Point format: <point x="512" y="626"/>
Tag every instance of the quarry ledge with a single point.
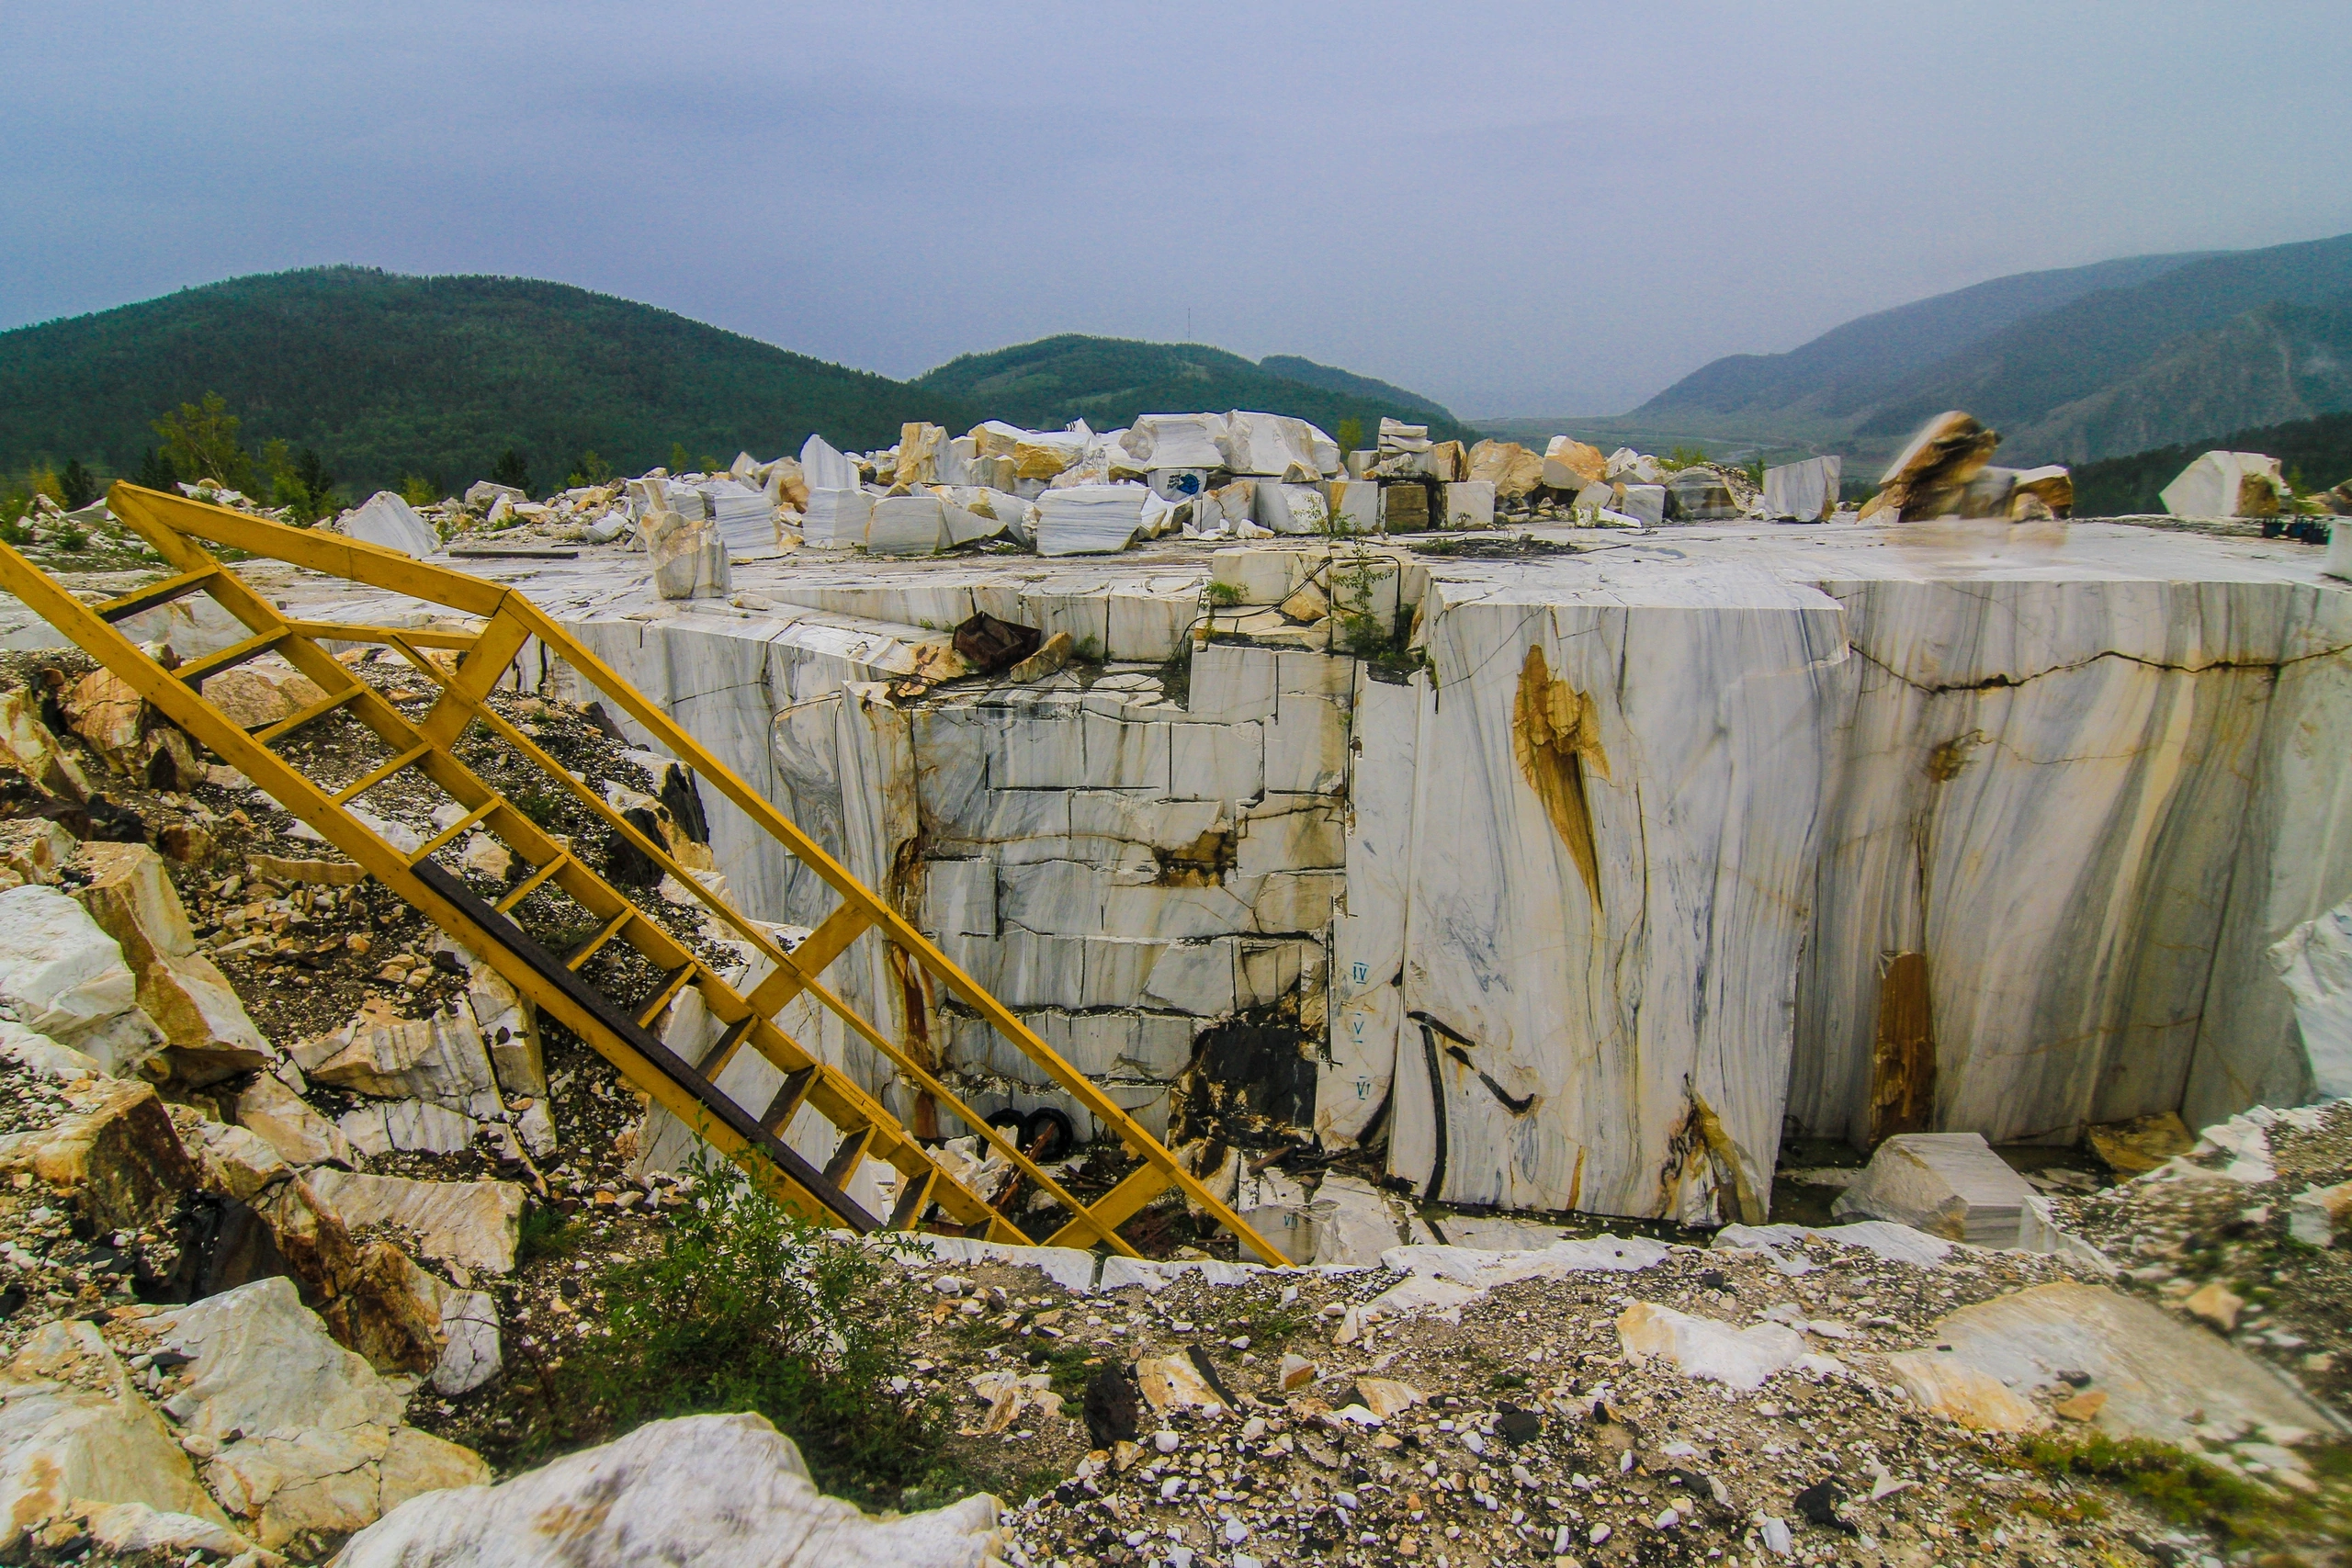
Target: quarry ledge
<point x="1258" y="829"/>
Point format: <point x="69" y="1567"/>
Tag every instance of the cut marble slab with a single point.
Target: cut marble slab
<point x="836" y="518"/>
<point x="2226" y="484"/>
<point x="907" y="525"/>
<point x="1177" y="441"/>
<point x="824" y="466"/>
<point x="1088" y="519"/>
<point x="1802" y="492"/>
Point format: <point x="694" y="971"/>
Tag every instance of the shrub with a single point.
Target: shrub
<point x="749" y="1307"/>
<point x="2178" y="1485"/>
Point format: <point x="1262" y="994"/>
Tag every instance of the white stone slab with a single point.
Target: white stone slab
<point x="1468" y="503"/>
<point x="836" y="518"/>
<point x="824" y="466"/>
<point x="1947" y="1184"/>
<point x="2220" y="484"/>
<point x="387" y="521"/>
<point x="1802" y="493"/>
<point x="1088" y="519"/>
<point x="907" y="525"/>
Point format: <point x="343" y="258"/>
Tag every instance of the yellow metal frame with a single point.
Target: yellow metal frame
<point x="173" y="524"/>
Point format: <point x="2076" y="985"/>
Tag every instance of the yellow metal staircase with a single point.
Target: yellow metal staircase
<point x="178" y="529"/>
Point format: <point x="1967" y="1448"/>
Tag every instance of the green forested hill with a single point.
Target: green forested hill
<point x="1108" y="381"/>
<point x="386" y="376"/>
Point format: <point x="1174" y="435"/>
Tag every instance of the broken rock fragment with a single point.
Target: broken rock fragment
<point x="2227" y="484"/>
<point x="475" y="1225"/>
<point x="63" y="976"/>
<point x="389" y="523"/>
<point x="1929" y="477"/>
<point x="1947" y="1184"/>
<point x="305" y="1435"/>
<point x="75" y="1431"/>
<point x="1702" y="1348"/>
<point x="210" y="1035"/>
<point x="706" y="1489"/>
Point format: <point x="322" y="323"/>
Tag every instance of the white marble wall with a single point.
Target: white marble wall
<point x="2091" y="789"/>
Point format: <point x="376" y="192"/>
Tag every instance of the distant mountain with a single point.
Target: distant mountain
<point x="387" y="375"/>
<point x="1108" y="381"/>
<point x="2070" y="367"/>
<point x="1847" y="369"/>
<point x="2315" y="454"/>
<point x="1331" y="378"/>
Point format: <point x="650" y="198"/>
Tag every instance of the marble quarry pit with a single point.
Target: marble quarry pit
<point x="1577" y="875"/>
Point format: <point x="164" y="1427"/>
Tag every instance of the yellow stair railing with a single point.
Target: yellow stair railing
<point x="178" y="529"/>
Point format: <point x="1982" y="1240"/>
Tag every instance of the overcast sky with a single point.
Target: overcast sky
<point x="1539" y="209"/>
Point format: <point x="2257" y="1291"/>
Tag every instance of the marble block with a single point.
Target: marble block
<point x="907" y="525"/>
<point x="1277" y="447"/>
<point x="1469" y="503"/>
<point x="836" y="519"/>
<point x="1088" y="519"/>
<point x="1947" y="1184"/>
<point x="825" y="468"/>
<point x="745" y="517"/>
<point x="389" y="523"/>
<point x="2226" y="484"/>
<point x="1354" y="505"/>
<point x="1802" y="492"/>
<point x="1291" y="508"/>
<point x="1163" y="441"/>
<point x="1645" y="504"/>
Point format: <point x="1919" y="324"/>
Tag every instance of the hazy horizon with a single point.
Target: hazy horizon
<point x="1519" y="211"/>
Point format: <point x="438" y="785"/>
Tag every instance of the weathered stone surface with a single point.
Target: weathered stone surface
<point x="2156" y="1371"/>
<point x="715" y="1491"/>
<point x="408" y="1126"/>
<point x="287" y="1123"/>
<point x="1512" y="470"/>
<point x="473" y="1223"/>
<point x="135" y="1528"/>
<point x="1570" y="465"/>
<point x="1942" y="1386"/>
<point x="1802" y="492"/>
<point x="1947" y="1184"/>
<point x="373" y="1299"/>
<point x="2314" y="963"/>
<point x="2226" y="484"/>
<point x="261" y="692"/>
<point x="34" y="849"/>
<point x="306" y="1436"/>
<point x="688" y="556"/>
<point x="1354" y="1223"/>
<point x="65" y="1444"/>
<point x="64" y="976"/>
<point x="389" y="523"/>
<point x="1929" y="477"/>
<point x="107" y="712"/>
<point x="27" y="745"/>
<point x="438" y="1058"/>
<point x="115" y="1156"/>
<point x="471" y="1357"/>
<point x="1703" y="1348"/>
<point x="133" y="900"/>
<point x="1088" y="519"/>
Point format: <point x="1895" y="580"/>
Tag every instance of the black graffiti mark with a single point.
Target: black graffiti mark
<point x="1518" y="1105"/>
